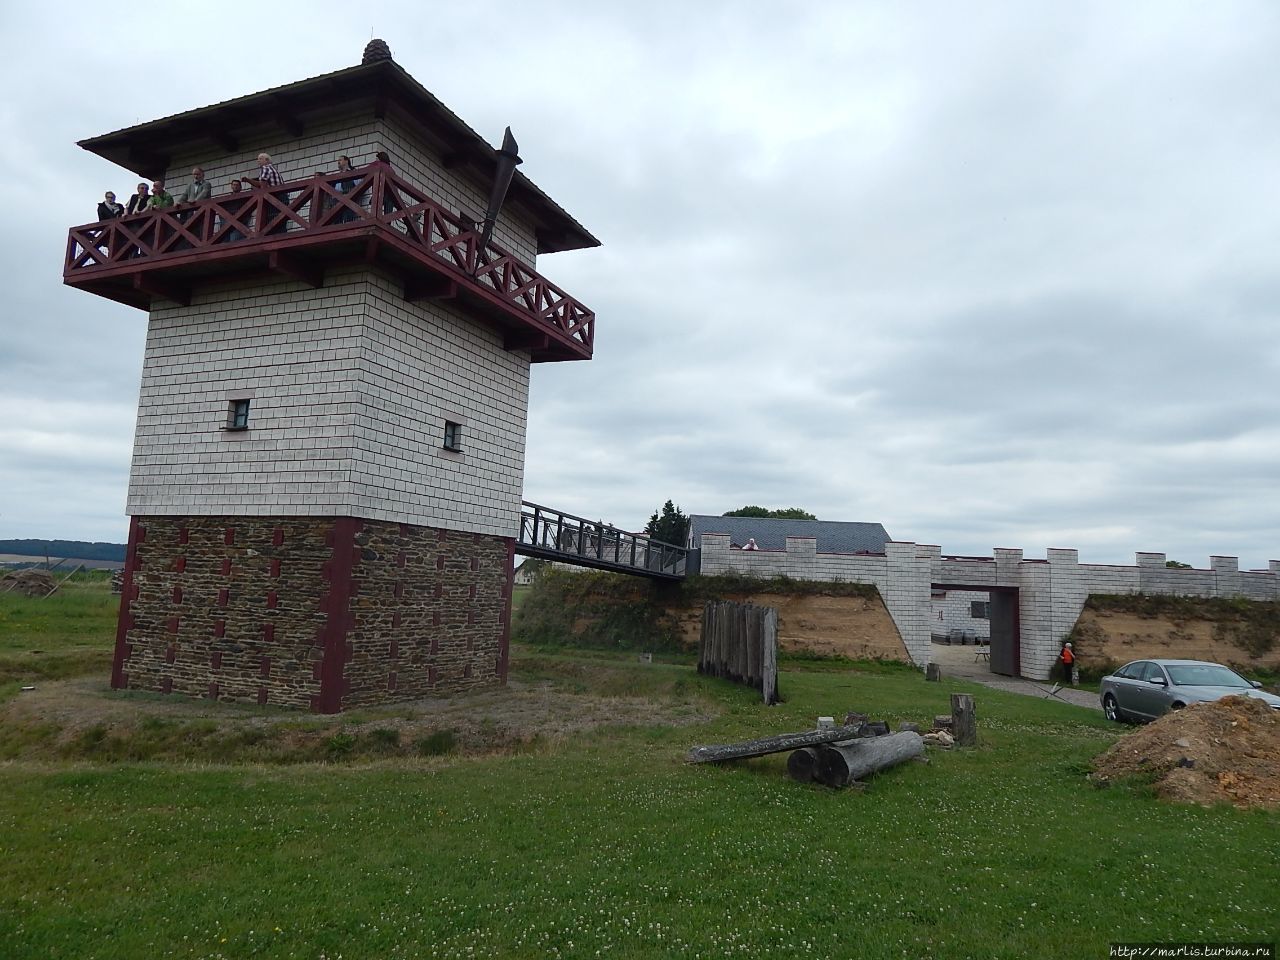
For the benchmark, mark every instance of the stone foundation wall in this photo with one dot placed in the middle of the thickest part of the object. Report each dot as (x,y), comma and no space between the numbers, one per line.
(430,612)
(312,613)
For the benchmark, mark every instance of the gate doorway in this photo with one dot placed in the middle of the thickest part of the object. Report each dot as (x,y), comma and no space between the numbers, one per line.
(1005,649)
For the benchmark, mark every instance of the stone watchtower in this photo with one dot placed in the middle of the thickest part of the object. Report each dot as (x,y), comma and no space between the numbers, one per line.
(329,456)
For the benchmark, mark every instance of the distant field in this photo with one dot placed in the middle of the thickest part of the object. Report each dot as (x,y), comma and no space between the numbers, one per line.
(14,559)
(587,835)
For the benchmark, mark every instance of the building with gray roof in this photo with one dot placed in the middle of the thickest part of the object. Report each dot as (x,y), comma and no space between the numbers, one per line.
(832,536)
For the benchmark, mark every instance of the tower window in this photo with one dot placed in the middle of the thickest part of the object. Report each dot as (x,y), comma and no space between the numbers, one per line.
(453,436)
(238,415)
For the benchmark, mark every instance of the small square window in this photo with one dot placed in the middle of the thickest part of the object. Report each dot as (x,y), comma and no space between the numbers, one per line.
(453,436)
(980,609)
(238,415)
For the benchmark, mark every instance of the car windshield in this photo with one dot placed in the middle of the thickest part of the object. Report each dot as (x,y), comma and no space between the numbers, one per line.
(1205,675)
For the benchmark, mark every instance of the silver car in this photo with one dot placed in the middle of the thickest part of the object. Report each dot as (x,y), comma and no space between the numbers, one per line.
(1146,689)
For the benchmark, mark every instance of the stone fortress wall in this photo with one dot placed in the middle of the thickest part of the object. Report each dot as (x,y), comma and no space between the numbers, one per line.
(1051,591)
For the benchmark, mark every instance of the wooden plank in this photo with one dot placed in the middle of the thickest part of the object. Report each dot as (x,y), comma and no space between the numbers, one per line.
(766,745)
(770,669)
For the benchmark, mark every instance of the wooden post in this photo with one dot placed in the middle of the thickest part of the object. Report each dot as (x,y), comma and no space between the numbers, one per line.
(770,673)
(933,672)
(964,720)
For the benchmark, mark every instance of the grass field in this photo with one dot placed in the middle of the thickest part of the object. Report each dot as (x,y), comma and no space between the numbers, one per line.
(604,843)
(59,636)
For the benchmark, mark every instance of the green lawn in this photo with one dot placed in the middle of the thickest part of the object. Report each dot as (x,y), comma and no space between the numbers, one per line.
(59,636)
(609,845)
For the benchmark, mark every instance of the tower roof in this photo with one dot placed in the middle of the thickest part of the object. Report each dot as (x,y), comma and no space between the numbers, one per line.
(146,148)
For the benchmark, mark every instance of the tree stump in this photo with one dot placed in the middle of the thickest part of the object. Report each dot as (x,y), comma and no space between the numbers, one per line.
(839,764)
(964,720)
(933,672)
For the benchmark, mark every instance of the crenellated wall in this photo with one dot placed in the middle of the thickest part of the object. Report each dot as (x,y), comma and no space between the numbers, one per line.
(1051,592)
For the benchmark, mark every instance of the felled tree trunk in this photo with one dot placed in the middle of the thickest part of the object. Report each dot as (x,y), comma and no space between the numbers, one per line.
(839,764)
(766,745)
(802,765)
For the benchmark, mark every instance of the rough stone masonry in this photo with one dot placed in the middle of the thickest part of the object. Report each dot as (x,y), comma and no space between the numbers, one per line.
(318,613)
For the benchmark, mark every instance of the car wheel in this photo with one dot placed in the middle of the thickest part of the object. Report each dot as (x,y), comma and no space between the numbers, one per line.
(1111,709)
(1176,706)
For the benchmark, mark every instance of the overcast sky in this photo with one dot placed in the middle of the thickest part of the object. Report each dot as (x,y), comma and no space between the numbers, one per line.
(991,274)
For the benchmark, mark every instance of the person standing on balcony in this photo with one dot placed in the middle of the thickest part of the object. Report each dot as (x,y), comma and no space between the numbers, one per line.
(139,202)
(344,166)
(160,197)
(108,209)
(267,176)
(198,189)
(344,186)
(233,205)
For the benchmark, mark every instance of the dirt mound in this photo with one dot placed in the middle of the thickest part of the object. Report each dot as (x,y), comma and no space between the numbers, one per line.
(29,583)
(1222,752)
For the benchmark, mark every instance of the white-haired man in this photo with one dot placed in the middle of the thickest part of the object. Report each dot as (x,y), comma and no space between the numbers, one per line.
(267,174)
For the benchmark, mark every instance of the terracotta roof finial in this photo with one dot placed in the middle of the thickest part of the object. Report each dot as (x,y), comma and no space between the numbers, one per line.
(375,50)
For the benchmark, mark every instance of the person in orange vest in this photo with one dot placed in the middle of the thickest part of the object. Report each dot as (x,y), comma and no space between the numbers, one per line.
(1068,659)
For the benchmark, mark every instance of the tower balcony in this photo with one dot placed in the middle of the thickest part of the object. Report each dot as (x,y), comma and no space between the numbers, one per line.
(301,227)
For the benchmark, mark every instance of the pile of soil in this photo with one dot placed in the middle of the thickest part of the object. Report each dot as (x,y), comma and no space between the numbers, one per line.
(1222,752)
(29,583)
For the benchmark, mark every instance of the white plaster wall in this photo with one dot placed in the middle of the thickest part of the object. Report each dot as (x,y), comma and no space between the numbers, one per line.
(353,131)
(296,354)
(358,134)
(954,611)
(421,165)
(350,387)
(425,364)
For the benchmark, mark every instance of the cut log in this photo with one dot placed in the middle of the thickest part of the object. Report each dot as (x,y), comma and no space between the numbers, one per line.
(802,765)
(942,722)
(766,745)
(908,725)
(874,728)
(839,764)
(933,672)
(964,720)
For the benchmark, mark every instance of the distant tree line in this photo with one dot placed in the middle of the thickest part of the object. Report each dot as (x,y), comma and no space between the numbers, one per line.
(78,549)
(671,524)
(788,513)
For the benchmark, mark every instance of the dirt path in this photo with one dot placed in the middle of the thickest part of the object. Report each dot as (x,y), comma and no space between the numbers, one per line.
(960,662)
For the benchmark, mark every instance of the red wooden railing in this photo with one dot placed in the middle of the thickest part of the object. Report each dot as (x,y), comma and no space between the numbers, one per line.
(372,200)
